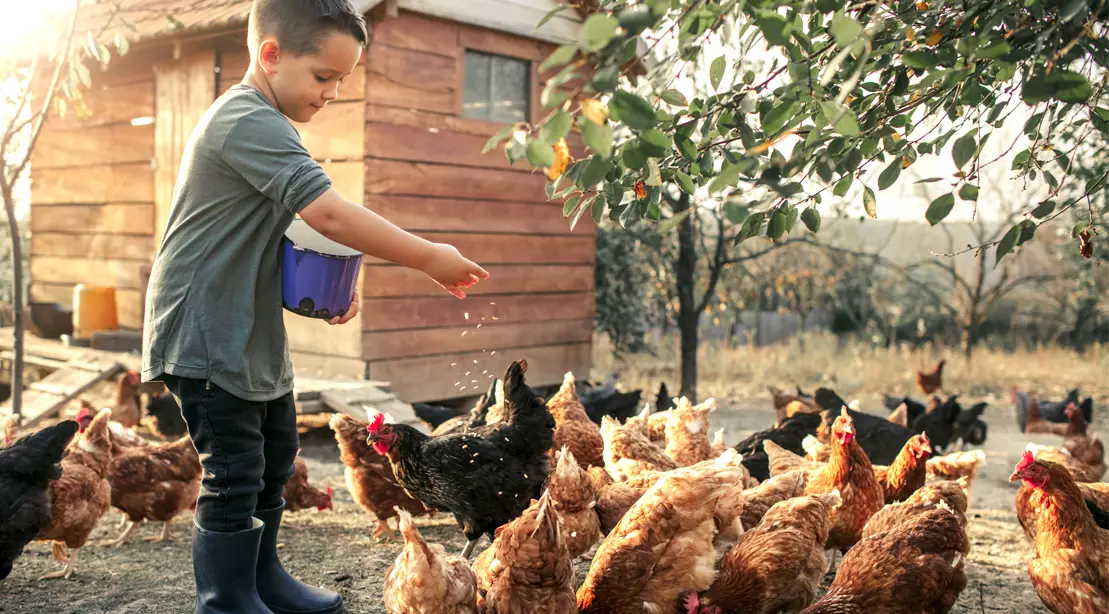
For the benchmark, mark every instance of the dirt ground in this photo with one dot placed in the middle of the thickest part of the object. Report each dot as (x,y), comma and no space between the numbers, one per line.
(334,548)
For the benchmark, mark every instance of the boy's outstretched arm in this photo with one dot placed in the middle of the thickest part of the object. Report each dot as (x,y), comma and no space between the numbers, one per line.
(359,228)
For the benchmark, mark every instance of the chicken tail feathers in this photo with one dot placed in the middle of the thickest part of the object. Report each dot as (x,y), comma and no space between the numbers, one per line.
(35,457)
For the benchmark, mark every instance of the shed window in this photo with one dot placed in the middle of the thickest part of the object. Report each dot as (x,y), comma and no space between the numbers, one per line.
(497,87)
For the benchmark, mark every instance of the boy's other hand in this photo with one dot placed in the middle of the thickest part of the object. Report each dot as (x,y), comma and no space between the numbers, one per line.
(348,316)
(451,270)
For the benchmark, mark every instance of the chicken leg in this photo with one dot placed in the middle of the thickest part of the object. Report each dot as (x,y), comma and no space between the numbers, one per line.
(469,549)
(119,541)
(164,537)
(67,571)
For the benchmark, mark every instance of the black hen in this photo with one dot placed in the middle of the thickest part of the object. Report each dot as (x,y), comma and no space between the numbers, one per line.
(168,422)
(619,405)
(915,408)
(1101,517)
(881,439)
(434,415)
(969,426)
(27,467)
(1052,411)
(938,421)
(472,419)
(788,433)
(663,401)
(486,476)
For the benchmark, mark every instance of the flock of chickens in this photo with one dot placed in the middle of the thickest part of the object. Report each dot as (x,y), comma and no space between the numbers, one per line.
(671,518)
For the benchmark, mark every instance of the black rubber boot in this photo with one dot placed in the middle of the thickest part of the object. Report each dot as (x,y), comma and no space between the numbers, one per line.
(222,564)
(282,593)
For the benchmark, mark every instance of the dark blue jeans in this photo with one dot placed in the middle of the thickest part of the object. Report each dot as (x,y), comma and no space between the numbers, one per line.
(247,450)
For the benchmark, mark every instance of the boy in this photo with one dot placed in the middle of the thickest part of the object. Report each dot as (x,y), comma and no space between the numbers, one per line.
(214,328)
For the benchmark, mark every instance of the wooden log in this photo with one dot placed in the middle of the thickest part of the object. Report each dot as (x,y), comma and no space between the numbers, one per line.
(111,218)
(433,378)
(445,181)
(412,79)
(94,246)
(114,144)
(494,336)
(385,281)
(419,313)
(132,183)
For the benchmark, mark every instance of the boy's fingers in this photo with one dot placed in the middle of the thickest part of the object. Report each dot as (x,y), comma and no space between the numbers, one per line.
(480,272)
(455,290)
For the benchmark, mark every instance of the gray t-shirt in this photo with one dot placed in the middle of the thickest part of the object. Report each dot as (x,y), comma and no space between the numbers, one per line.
(213,306)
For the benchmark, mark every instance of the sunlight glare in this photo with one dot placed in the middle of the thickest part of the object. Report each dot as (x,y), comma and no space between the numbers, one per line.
(21,22)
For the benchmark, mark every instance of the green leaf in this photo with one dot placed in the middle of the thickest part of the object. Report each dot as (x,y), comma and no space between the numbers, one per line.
(728,176)
(734,212)
(606,79)
(1063,85)
(775,29)
(1078,229)
(846,124)
(655,143)
(594,172)
(633,156)
(687,148)
(716,71)
(1099,117)
(570,204)
(556,128)
(597,138)
(614,193)
(668,226)
(890,174)
(964,149)
(870,204)
(778,116)
(846,30)
(550,15)
(995,50)
(843,185)
(685,182)
(123,45)
(777,226)
(586,204)
(920,59)
(940,208)
(636,113)
(811,218)
(1095,185)
(654,173)
(752,226)
(1008,242)
(636,20)
(1043,209)
(676,98)
(598,30)
(1027,231)
(598,209)
(1021,159)
(540,154)
(969,191)
(558,58)
(496,139)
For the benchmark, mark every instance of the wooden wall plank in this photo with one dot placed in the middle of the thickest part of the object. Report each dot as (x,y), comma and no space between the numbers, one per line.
(500,43)
(127,219)
(103,105)
(184,89)
(327,366)
(334,133)
(92,245)
(129,304)
(313,336)
(516,249)
(121,274)
(385,281)
(418,33)
(416,144)
(348,178)
(428,379)
(420,213)
(417,179)
(496,337)
(94,184)
(383,114)
(234,66)
(413,313)
(115,144)
(412,79)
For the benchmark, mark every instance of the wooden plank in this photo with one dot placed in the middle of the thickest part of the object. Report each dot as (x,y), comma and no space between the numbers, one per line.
(500,43)
(430,379)
(104,104)
(418,32)
(515,249)
(94,245)
(418,313)
(129,303)
(111,218)
(417,179)
(491,337)
(314,336)
(115,144)
(58,389)
(132,183)
(513,16)
(412,79)
(118,273)
(357,402)
(348,178)
(234,66)
(336,132)
(443,214)
(328,366)
(184,89)
(395,142)
(384,114)
(385,281)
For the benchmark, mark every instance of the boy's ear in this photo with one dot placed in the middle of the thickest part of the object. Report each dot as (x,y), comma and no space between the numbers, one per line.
(269,54)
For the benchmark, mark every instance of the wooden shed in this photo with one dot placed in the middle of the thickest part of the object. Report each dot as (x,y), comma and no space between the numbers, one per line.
(405,139)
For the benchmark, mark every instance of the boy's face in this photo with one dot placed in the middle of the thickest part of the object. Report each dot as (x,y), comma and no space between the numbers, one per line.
(303,85)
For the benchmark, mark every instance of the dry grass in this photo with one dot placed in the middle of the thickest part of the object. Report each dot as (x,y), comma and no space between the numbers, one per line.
(859,370)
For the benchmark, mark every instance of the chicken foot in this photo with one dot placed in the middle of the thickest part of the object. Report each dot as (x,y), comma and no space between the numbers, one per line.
(164,537)
(119,541)
(469,549)
(382,530)
(67,571)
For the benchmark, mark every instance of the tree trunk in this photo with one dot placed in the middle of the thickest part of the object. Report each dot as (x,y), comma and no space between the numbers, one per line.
(17,304)
(970,339)
(685,272)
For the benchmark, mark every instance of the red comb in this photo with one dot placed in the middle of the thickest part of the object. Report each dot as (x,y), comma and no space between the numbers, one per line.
(376,420)
(83,413)
(1026,460)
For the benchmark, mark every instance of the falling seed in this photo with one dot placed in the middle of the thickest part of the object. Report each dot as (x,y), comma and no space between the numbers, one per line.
(475,361)
(484,372)
(492,303)
(500,493)
(525,476)
(482,318)
(573,533)
(458,383)
(493,352)
(454,364)
(494,317)
(473,381)
(479,325)
(467,315)
(464,332)
(465,447)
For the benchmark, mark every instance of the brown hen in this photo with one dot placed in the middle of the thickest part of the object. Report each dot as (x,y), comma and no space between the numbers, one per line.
(575,499)
(155,482)
(687,429)
(628,450)
(573,428)
(426,579)
(301,495)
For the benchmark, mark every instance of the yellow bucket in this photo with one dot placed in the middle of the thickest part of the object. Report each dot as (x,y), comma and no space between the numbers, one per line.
(94,309)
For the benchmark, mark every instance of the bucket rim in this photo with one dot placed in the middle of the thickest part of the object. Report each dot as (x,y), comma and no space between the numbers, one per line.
(310,235)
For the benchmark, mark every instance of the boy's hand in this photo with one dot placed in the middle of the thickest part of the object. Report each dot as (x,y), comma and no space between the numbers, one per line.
(348,316)
(451,270)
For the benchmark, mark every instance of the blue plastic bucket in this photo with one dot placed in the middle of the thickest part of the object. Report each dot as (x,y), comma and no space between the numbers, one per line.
(318,275)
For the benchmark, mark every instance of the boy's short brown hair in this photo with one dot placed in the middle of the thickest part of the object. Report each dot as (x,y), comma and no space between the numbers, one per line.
(299,25)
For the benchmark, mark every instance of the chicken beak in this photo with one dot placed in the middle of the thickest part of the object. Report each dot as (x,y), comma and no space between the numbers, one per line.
(1016,476)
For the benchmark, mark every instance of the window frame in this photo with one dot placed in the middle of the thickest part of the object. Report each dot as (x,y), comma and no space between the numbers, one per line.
(525,50)
(493,57)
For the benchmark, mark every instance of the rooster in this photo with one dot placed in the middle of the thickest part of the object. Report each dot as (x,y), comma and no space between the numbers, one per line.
(929,382)
(27,467)
(486,476)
